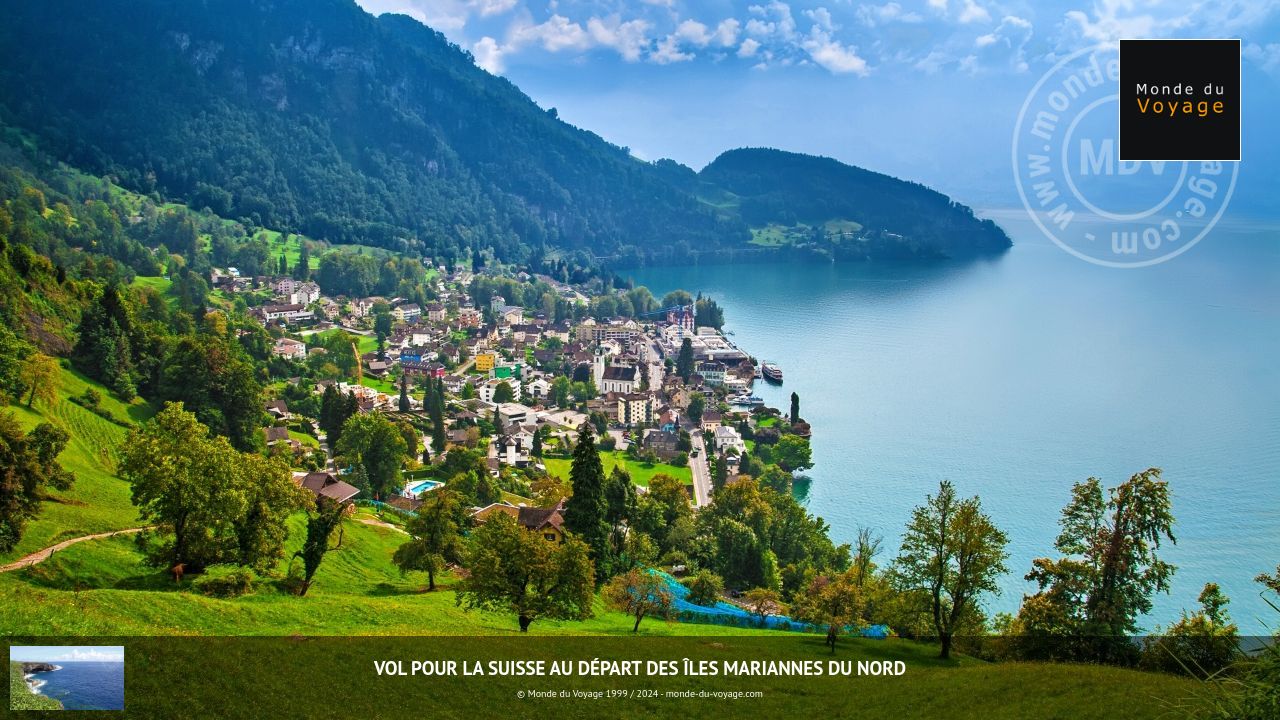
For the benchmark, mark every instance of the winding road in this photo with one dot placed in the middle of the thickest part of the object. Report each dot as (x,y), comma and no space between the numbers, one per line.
(40,556)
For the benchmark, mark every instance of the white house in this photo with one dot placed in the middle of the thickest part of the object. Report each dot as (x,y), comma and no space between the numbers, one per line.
(727,438)
(290,348)
(407,312)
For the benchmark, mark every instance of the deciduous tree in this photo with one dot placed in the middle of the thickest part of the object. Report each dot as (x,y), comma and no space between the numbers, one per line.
(641,593)
(515,570)
(953,551)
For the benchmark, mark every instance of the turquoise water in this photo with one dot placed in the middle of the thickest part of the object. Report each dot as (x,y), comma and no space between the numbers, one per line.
(85,685)
(1016,377)
(421,486)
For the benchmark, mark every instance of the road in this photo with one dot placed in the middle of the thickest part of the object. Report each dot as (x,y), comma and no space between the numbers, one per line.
(41,555)
(701,472)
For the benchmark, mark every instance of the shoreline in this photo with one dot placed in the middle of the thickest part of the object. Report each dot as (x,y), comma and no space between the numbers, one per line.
(34,683)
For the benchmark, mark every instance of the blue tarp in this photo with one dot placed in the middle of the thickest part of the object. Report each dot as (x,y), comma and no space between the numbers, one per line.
(723,613)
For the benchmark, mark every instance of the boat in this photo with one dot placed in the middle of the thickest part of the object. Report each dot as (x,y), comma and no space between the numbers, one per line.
(750,400)
(771,372)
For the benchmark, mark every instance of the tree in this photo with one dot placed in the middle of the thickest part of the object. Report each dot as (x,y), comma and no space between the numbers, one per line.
(640,592)
(1202,644)
(335,410)
(320,527)
(586,510)
(953,552)
(404,393)
(209,502)
(536,449)
(868,546)
(684,360)
(516,570)
(375,444)
(1090,598)
(435,535)
(40,374)
(763,602)
(719,471)
(561,390)
(832,601)
(503,393)
(792,453)
(302,270)
(28,466)
(795,408)
(705,588)
(697,406)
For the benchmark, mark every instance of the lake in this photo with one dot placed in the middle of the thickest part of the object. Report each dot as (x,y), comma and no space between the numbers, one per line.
(85,685)
(1016,377)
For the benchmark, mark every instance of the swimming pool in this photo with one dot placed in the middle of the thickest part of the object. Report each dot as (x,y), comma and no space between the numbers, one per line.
(418,487)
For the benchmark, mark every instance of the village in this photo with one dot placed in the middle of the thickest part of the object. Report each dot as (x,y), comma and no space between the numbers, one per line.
(664,396)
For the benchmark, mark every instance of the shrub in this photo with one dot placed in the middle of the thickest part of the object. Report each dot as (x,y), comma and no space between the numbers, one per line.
(233,584)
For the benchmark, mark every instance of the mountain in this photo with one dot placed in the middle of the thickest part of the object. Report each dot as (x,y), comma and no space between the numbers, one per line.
(772,187)
(313,116)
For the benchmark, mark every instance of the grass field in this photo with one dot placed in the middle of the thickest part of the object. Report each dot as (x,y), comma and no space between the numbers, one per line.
(20,695)
(98,501)
(102,587)
(775,235)
(641,473)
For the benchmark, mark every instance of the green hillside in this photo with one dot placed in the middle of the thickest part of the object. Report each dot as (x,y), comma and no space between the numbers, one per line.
(315,117)
(21,697)
(98,501)
(102,587)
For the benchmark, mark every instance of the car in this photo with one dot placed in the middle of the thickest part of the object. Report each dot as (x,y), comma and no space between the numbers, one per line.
(693,453)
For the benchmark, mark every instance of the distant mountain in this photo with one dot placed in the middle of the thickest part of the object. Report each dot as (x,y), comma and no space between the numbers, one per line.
(316,117)
(788,189)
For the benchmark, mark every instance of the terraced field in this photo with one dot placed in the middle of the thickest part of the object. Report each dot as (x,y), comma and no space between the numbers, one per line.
(98,501)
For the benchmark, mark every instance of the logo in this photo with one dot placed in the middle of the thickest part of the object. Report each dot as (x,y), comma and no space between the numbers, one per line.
(1073,184)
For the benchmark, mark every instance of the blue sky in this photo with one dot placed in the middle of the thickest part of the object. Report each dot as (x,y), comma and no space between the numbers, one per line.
(922,89)
(66,653)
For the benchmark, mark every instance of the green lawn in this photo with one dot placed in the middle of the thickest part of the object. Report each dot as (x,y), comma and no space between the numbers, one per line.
(20,695)
(641,473)
(98,501)
(102,587)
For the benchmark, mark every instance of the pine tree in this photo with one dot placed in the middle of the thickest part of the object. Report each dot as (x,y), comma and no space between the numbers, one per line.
(404,393)
(684,361)
(302,271)
(585,511)
(795,408)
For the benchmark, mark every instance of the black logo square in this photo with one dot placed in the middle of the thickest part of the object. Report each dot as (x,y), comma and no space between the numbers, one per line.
(1179,100)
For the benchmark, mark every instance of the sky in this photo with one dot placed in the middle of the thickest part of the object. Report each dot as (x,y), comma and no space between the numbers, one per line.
(927,90)
(66,653)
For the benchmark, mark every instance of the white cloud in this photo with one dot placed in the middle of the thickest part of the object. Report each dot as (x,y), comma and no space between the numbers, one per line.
(488,54)
(556,34)
(669,52)
(1004,46)
(973,12)
(1266,56)
(692,32)
(748,48)
(91,655)
(874,15)
(488,8)
(726,33)
(630,39)
(832,55)
(822,17)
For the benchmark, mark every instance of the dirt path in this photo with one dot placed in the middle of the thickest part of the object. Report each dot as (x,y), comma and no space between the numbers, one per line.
(40,556)
(380,523)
